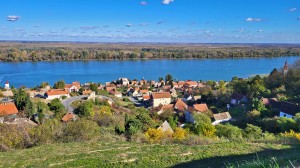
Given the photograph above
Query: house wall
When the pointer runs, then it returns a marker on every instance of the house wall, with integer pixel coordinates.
(282, 114)
(163, 101)
(56, 96)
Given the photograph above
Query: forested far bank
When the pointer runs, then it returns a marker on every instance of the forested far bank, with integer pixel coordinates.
(18, 52)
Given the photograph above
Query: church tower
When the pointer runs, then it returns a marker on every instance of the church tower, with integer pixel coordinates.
(285, 68)
(6, 86)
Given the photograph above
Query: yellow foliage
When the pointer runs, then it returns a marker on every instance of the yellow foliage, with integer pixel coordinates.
(104, 111)
(154, 135)
(291, 134)
(179, 134)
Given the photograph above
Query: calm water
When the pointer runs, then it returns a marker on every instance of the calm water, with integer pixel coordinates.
(31, 74)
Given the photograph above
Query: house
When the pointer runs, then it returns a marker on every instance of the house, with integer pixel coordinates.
(69, 117)
(116, 93)
(289, 110)
(180, 105)
(87, 92)
(165, 108)
(56, 93)
(110, 88)
(165, 127)
(74, 87)
(221, 117)
(195, 98)
(135, 93)
(173, 92)
(33, 93)
(272, 102)
(8, 110)
(144, 92)
(146, 98)
(190, 83)
(124, 81)
(162, 98)
(201, 107)
(238, 98)
(187, 97)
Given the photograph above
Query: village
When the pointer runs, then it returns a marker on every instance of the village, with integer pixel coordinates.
(182, 98)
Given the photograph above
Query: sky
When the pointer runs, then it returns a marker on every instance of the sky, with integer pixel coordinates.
(175, 21)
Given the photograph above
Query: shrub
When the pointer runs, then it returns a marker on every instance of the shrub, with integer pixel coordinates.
(205, 129)
(179, 134)
(253, 132)
(290, 137)
(154, 135)
(85, 109)
(228, 131)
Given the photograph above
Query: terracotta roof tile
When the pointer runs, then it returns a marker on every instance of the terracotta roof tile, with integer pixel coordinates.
(8, 109)
(222, 116)
(161, 95)
(180, 105)
(56, 92)
(201, 107)
(68, 117)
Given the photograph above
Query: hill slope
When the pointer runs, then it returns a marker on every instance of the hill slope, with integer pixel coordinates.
(119, 154)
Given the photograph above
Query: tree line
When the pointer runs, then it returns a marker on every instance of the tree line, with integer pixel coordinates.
(64, 52)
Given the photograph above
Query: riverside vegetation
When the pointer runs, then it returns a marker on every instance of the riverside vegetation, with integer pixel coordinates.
(124, 135)
(47, 51)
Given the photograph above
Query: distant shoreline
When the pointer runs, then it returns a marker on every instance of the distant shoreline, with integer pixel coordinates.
(62, 51)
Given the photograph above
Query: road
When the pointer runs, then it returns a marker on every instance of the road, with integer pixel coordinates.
(68, 102)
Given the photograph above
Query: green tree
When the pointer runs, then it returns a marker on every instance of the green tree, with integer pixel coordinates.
(258, 105)
(57, 107)
(59, 85)
(253, 132)
(85, 109)
(21, 99)
(229, 131)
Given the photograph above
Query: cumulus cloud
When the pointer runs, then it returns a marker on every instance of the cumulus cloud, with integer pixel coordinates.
(161, 22)
(250, 19)
(13, 18)
(167, 2)
(144, 24)
(143, 3)
(129, 25)
(88, 27)
(292, 9)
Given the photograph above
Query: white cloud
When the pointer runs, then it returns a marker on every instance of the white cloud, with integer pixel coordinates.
(129, 25)
(161, 22)
(144, 24)
(292, 9)
(250, 19)
(144, 3)
(88, 27)
(260, 31)
(167, 2)
(13, 18)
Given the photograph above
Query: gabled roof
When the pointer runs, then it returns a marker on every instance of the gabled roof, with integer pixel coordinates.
(222, 116)
(166, 127)
(161, 95)
(237, 96)
(69, 117)
(167, 107)
(146, 97)
(180, 105)
(201, 107)
(8, 109)
(57, 92)
(289, 108)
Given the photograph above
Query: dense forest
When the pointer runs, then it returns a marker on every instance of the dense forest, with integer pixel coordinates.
(50, 51)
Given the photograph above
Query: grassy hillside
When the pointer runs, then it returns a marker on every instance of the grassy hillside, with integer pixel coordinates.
(121, 154)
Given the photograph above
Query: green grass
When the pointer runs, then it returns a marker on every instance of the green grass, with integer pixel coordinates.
(125, 154)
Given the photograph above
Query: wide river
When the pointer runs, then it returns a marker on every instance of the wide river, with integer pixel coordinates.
(30, 74)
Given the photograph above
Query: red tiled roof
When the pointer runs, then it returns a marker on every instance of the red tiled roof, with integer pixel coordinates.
(8, 109)
(146, 97)
(201, 107)
(161, 95)
(68, 117)
(144, 91)
(191, 83)
(110, 88)
(86, 92)
(167, 107)
(56, 92)
(222, 116)
(180, 105)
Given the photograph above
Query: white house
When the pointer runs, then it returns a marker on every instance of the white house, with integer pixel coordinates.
(289, 110)
(162, 98)
(56, 93)
(74, 87)
(238, 98)
(221, 117)
(124, 81)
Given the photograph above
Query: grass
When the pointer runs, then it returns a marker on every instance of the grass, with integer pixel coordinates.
(126, 154)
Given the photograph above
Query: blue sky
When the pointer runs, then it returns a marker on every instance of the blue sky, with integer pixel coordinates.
(189, 21)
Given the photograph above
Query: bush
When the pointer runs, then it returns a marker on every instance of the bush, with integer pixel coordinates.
(253, 132)
(179, 134)
(154, 135)
(79, 131)
(229, 131)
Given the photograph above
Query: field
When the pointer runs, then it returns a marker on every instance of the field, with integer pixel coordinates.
(125, 154)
